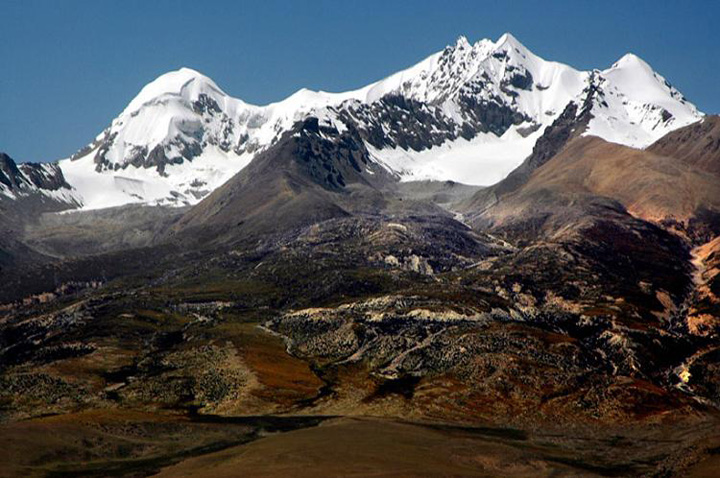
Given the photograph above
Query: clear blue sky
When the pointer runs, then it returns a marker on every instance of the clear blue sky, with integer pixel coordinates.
(69, 67)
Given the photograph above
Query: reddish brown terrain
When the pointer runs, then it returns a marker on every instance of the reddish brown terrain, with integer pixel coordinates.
(305, 321)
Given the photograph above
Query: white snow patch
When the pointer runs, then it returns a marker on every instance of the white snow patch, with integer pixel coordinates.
(182, 184)
(482, 161)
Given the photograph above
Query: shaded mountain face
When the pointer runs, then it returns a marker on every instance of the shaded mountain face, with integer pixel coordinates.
(313, 173)
(27, 190)
(470, 113)
(30, 179)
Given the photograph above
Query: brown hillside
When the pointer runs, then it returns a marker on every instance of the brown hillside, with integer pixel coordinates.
(697, 145)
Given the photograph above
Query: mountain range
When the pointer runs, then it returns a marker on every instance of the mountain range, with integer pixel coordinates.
(470, 114)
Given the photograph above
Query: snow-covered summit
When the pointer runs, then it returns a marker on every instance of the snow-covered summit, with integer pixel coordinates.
(636, 106)
(184, 82)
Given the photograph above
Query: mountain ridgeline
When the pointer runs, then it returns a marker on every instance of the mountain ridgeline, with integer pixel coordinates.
(470, 114)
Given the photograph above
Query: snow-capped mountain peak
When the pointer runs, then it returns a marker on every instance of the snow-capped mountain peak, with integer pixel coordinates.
(166, 120)
(508, 41)
(185, 82)
(462, 42)
(637, 79)
(636, 106)
(631, 60)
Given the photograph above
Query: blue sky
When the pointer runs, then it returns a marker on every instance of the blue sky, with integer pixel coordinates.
(69, 67)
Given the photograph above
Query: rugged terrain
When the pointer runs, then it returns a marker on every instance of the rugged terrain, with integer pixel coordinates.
(315, 310)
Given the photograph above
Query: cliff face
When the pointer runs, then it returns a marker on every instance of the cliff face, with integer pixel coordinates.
(29, 177)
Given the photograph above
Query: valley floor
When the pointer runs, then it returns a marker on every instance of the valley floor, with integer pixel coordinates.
(126, 443)
(110, 439)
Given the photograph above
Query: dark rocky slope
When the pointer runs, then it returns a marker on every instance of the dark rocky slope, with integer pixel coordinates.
(314, 173)
(26, 190)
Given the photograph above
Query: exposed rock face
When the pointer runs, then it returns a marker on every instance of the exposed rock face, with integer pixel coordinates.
(30, 189)
(313, 173)
(398, 122)
(323, 153)
(30, 176)
(45, 176)
(9, 173)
